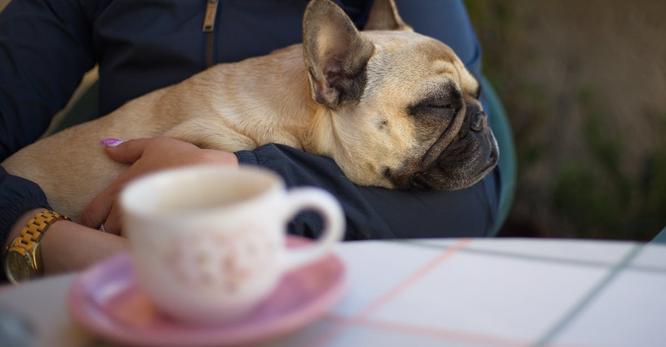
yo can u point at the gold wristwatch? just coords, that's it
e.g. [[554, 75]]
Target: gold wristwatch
[[23, 260]]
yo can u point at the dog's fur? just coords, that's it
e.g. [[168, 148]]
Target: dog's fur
[[393, 108]]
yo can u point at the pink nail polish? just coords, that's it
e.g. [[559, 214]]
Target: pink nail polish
[[111, 142]]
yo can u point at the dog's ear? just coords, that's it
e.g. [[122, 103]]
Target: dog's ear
[[384, 16], [335, 54]]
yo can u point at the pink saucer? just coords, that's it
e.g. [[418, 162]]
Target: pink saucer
[[106, 300]]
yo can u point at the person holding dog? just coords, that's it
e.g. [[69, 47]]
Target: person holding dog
[[141, 46]]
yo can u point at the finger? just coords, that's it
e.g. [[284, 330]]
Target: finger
[[127, 152], [112, 224], [98, 209]]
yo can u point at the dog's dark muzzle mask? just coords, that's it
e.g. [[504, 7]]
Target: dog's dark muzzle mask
[[459, 159]]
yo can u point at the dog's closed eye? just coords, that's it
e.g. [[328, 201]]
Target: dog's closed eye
[[437, 105], [444, 99], [440, 105]]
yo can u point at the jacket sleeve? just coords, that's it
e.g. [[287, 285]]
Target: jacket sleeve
[[45, 48], [375, 212]]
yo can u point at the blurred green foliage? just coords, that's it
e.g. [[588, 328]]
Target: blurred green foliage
[[587, 191]]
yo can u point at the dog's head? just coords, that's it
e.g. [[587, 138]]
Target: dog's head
[[404, 109]]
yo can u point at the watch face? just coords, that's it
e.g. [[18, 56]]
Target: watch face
[[17, 267]]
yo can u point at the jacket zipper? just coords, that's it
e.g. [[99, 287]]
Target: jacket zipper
[[209, 30]]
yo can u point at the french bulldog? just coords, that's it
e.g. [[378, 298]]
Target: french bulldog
[[392, 107]]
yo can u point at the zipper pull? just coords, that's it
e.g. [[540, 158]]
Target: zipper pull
[[209, 17]]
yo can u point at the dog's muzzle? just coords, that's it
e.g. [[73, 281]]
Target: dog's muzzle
[[467, 155]]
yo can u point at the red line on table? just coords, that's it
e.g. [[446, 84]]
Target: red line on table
[[440, 333], [433, 332], [415, 277]]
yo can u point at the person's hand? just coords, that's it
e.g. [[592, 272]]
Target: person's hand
[[145, 156]]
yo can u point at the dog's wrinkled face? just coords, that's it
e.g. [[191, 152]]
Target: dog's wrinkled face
[[405, 109], [426, 105]]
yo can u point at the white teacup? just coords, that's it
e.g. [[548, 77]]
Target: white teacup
[[208, 242]]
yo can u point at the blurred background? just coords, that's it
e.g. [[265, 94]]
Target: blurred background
[[584, 86]]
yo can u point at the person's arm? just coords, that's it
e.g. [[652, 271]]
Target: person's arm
[[68, 246], [45, 49], [90, 246], [377, 213]]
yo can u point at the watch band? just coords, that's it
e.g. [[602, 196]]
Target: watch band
[[31, 234]]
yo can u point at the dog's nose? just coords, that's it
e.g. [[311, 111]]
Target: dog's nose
[[479, 121]]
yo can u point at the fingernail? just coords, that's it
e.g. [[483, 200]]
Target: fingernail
[[111, 142]]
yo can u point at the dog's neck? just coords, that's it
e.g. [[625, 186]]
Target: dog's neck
[[268, 99]]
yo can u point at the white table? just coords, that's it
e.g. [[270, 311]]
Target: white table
[[459, 292]]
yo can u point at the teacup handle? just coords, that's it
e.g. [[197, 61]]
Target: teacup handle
[[334, 224]]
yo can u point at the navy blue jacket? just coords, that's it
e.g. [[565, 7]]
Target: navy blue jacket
[[47, 45]]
